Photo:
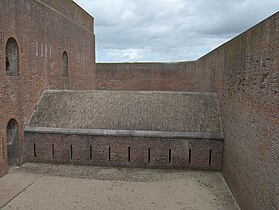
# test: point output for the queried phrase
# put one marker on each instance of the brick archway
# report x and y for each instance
(12, 142)
(12, 57)
(65, 64)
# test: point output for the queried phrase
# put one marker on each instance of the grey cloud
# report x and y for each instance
(169, 30)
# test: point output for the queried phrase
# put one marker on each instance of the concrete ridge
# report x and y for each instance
(139, 92)
(127, 133)
(150, 62)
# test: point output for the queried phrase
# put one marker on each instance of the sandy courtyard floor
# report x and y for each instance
(43, 186)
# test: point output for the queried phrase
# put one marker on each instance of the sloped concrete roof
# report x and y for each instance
(128, 111)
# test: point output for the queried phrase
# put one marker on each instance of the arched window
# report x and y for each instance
(64, 64)
(12, 139)
(11, 57)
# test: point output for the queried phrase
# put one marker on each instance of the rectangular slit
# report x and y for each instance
(90, 153)
(3, 147)
(71, 147)
(149, 151)
(1, 37)
(109, 154)
(169, 155)
(190, 155)
(34, 150)
(52, 151)
(129, 154)
(210, 157)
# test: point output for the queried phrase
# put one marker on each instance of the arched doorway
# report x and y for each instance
(12, 140)
(65, 64)
(11, 57)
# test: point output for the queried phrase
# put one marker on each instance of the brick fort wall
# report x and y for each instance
(124, 151)
(245, 74)
(43, 31)
(148, 76)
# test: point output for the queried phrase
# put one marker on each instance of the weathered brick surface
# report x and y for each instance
(3, 167)
(72, 11)
(159, 151)
(245, 74)
(147, 76)
(42, 34)
(124, 114)
(128, 110)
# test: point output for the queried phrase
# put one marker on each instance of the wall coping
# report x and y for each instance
(213, 94)
(127, 133)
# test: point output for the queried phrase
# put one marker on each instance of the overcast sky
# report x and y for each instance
(169, 30)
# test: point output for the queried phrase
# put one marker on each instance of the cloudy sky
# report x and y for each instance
(169, 30)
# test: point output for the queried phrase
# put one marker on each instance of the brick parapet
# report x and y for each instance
(114, 151)
(147, 76)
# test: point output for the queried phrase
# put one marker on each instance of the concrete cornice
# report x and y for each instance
(137, 92)
(127, 133)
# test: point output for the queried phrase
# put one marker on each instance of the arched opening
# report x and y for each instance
(64, 65)
(11, 57)
(12, 140)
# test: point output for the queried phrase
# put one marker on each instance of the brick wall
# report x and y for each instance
(72, 11)
(245, 74)
(42, 34)
(147, 76)
(3, 167)
(114, 151)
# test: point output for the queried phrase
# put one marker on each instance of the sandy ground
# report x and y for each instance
(42, 186)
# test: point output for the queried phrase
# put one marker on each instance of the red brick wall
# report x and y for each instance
(72, 11)
(245, 74)
(159, 151)
(42, 35)
(3, 167)
(147, 76)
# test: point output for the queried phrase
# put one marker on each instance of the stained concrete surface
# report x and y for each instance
(13, 184)
(128, 110)
(43, 186)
